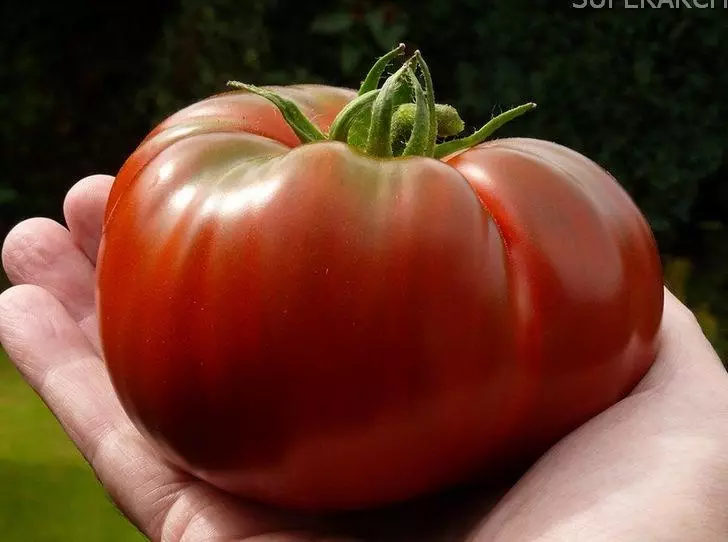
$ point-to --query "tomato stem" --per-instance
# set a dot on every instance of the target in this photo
(379, 141)
(306, 131)
(449, 122)
(418, 142)
(407, 120)
(430, 93)
(451, 147)
(339, 129)
(371, 81)
(384, 122)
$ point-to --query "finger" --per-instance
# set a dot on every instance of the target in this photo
(55, 358)
(84, 208)
(57, 361)
(41, 252)
(686, 359)
(684, 340)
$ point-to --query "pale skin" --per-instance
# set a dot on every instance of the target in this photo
(652, 468)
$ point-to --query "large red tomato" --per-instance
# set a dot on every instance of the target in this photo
(316, 327)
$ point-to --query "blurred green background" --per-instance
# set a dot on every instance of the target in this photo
(639, 90)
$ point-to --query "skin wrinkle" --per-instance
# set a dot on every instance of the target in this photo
(178, 519)
(94, 430)
(110, 452)
(162, 492)
(28, 259)
(55, 381)
(28, 251)
(185, 521)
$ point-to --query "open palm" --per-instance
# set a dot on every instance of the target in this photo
(653, 467)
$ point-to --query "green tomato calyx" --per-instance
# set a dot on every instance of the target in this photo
(400, 118)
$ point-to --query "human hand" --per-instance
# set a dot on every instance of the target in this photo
(653, 467)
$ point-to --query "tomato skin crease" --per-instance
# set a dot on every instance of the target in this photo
(317, 329)
(586, 274)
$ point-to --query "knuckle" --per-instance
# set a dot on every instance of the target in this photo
(30, 244)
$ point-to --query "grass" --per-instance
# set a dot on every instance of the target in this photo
(47, 491)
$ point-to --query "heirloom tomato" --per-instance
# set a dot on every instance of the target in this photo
(308, 298)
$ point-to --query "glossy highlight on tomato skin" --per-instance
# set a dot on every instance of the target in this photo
(318, 329)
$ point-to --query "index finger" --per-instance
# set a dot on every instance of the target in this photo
(685, 359)
(84, 209)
